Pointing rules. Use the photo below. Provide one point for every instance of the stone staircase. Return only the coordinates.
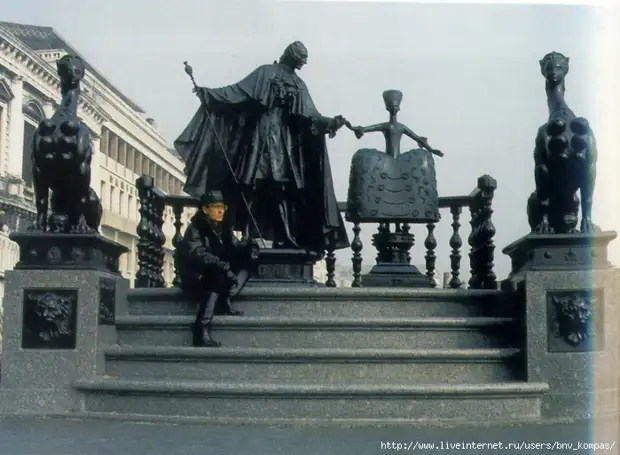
(337, 355)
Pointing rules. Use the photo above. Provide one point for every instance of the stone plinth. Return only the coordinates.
(401, 275)
(59, 310)
(67, 252)
(539, 252)
(569, 295)
(287, 267)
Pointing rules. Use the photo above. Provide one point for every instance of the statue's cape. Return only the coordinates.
(228, 130)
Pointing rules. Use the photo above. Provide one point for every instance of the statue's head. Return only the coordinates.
(71, 70)
(392, 99)
(295, 55)
(554, 67)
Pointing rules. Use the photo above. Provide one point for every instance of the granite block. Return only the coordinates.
(33, 374)
(571, 367)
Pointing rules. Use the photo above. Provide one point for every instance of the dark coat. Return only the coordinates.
(204, 250)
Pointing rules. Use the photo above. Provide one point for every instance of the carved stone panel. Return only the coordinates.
(50, 319)
(107, 301)
(575, 321)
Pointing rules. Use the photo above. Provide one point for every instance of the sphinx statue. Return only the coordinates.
(61, 160)
(565, 160)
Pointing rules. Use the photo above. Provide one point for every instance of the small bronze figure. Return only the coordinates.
(390, 186)
(213, 264)
(393, 130)
(263, 138)
(61, 160)
(565, 160)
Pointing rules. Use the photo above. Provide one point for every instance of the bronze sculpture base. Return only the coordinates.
(285, 267)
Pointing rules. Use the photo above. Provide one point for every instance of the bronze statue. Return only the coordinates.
(262, 140)
(565, 160)
(61, 160)
(390, 186)
(213, 264)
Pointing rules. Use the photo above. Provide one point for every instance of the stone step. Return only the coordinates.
(328, 303)
(302, 403)
(312, 366)
(351, 332)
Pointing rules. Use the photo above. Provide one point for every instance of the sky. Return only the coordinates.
(469, 73)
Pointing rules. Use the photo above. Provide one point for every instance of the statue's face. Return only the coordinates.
(301, 61)
(215, 212)
(554, 71)
(71, 73)
(392, 107)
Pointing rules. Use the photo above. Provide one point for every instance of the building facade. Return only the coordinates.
(126, 143)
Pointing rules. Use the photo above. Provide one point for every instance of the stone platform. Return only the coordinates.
(86, 436)
(317, 355)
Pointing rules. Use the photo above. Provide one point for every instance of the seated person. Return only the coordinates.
(213, 264)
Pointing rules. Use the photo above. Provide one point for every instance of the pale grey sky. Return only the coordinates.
(469, 74)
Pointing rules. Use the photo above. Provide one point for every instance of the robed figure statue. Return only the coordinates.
(274, 138)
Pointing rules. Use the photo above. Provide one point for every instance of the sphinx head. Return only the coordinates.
(554, 67)
(71, 70)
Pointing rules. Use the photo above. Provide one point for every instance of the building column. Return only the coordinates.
(4, 137)
(95, 164)
(16, 129)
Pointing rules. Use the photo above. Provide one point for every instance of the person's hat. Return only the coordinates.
(212, 197)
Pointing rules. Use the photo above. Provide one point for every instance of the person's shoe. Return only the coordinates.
(202, 337)
(230, 309)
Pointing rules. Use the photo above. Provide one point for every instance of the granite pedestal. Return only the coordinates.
(56, 319)
(284, 267)
(569, 294)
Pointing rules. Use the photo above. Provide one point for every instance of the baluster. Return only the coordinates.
(356, 247)
(159, 206)
(405, 230)
(330, 265)
(430, 244)
(176, 241)
(144, 185)
(455, 244)
(487, 186)
(474, 280)
(152, 238)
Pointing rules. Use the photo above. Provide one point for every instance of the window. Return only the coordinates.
(29, 130)
(130, 157)
(104, 145)
(137, 162)
(105, 202)
(114, 147)
(122, 152)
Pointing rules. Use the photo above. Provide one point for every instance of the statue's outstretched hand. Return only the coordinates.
(359, 132)
(335, 124)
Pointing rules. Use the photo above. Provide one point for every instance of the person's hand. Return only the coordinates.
(225, 266)
(232, 278)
